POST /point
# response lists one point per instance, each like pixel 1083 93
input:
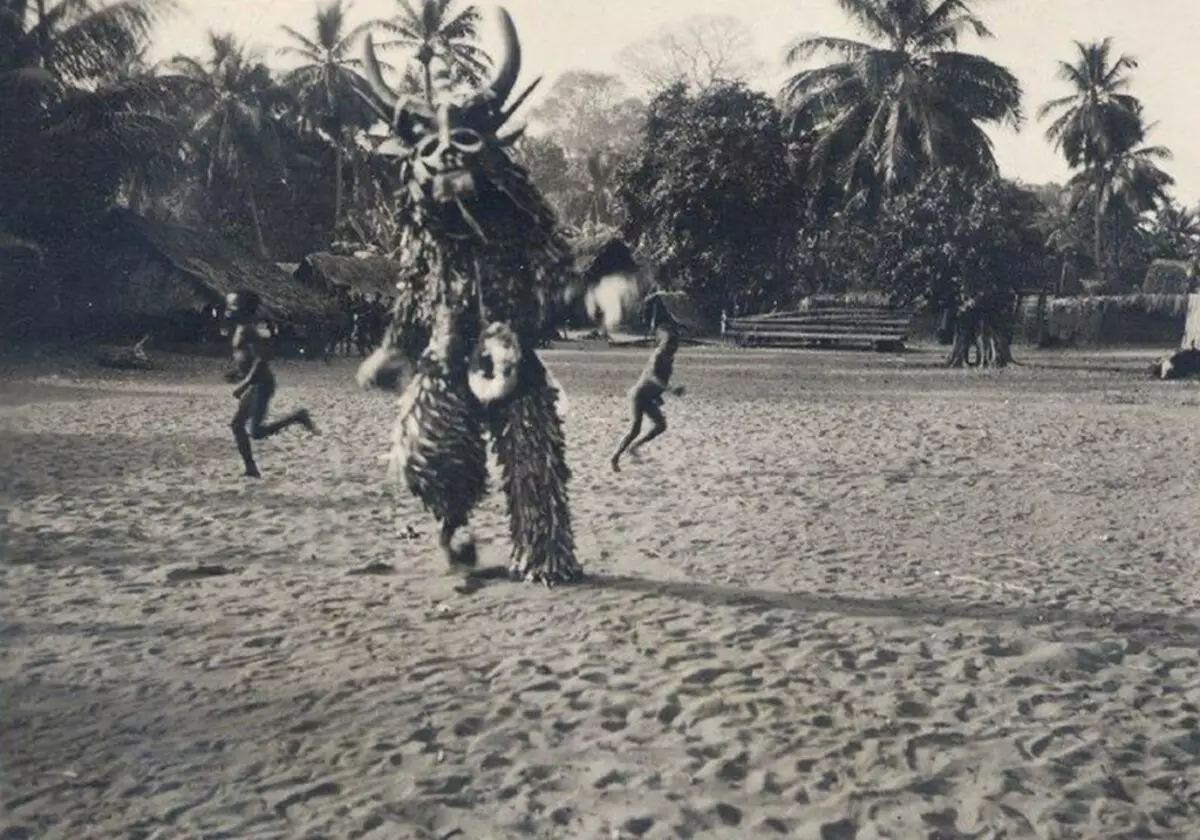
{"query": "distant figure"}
pixel 365 317
pixel 1182 365
pixel 256 385
pixel 340 330
pixel 646 396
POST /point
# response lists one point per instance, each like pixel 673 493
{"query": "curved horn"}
pixel 506 74
pixel 375 75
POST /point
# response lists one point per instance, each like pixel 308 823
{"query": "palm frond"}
pixel 84 44
pixel 983 89
pixel 872 17
pixel 946 21
pixel 1046 108
pixel 308 47
pixel 806 47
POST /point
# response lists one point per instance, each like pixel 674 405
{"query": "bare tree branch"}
pixel 701 51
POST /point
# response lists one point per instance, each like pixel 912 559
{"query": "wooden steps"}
pixel 882 328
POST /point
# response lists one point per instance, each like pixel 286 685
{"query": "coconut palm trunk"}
pixel 339 186
pixel 254 216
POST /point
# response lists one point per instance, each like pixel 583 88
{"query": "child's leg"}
pixel 655 413
pixel 260 429
pixel 634 430
pixel 243 415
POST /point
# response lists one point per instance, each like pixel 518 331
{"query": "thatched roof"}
pixel 1168 277
pixel 597 256
pixel 214 267
pixel 366 275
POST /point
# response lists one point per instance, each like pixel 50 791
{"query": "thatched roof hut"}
pixel 1169 277
pixel 599 256
pixel 365 275
pixel 166 266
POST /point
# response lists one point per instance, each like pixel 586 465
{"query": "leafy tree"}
pixel 585 112
pixel 546 161
pixel 883 116
pixel 75 131
pixel 595 207
pixel 708 198
pixel 951 244
pixel 591 123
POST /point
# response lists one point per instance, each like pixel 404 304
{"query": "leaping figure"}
pixel 646 396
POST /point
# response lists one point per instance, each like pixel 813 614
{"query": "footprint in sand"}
pixel 302 797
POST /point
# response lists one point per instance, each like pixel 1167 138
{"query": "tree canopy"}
pixel 709 197
pixel 870 170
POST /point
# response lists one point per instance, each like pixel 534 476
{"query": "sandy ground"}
pixel 848 596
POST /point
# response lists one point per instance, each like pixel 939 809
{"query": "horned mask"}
pixel 444 139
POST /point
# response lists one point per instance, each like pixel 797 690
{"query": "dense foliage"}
pixel 709 198
pixel 953 244
pixel 872 174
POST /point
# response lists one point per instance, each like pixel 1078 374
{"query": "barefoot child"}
pixel 257 383
pixel 646 397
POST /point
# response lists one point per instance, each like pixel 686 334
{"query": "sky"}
pixel 1031 36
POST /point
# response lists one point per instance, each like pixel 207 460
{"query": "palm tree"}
pixel 1098 117
pixel 1098 127
pixel 326 86
pixel 437 31
pixel 69 135
pixel 1119 190
pixel 72 42
pixel 884 115
pixel 1172 232
pixel 592 201
pixel 1064 231
pixel 64 104
pixel 235 106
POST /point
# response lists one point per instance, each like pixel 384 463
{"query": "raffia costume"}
pixel 494 263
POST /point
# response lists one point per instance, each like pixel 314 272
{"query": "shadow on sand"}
pixel 1145 627
pixel 1161 629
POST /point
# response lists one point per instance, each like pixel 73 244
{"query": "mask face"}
pixel 445 156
